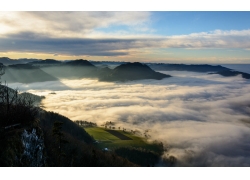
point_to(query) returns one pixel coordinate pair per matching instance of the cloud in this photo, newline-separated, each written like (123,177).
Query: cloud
(28,41)
(201,118)
(68,24)
(213,39)
(83,33)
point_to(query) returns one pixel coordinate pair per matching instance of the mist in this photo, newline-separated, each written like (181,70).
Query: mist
(203,120)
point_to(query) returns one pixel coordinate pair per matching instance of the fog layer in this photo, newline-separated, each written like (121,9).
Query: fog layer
(202,119)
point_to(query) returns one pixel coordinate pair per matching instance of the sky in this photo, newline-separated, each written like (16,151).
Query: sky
(215,37)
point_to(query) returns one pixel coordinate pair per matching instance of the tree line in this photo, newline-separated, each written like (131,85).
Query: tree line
(85,123)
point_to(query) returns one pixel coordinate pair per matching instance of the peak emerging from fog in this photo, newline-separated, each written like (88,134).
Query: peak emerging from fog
(229,73)
(191,67)
(132,71)
(133,66)
(80,62)
(46,61)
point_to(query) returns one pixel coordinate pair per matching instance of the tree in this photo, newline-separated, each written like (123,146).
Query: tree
(15,108)
(57,131)
(1,71)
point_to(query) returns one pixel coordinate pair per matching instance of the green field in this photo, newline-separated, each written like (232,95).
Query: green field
(107,140)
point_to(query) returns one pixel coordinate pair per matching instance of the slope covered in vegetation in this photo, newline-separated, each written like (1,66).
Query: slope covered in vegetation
(30,136)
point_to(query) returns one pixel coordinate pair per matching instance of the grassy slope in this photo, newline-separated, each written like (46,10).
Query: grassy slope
(107,140)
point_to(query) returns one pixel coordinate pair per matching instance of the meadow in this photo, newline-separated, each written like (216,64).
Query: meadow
(105,139)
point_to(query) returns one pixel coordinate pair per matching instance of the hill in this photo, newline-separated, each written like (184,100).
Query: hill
(45,62)
(72,69)
(8,61)
(79,62)
(184,67)
(78,150)
(26,73)
(230,73)
(131,71)
(128,145)
(84,69)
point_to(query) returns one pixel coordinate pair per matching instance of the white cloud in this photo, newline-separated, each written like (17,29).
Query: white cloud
(214,39)
(62,26)
(67,24)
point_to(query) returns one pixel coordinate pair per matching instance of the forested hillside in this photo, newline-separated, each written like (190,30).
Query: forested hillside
(30,136)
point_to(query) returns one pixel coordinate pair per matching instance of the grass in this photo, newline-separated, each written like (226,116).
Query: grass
(107,140)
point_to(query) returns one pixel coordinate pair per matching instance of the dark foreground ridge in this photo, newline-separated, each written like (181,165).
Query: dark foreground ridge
(31,137)
(132,71)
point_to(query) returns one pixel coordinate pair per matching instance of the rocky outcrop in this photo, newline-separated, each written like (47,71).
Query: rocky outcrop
(22,147)
(33,144)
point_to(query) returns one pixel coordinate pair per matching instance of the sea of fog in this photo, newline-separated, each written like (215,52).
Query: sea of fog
(202,119)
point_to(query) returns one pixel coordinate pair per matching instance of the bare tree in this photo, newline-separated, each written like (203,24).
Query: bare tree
(1,70)
(15,108)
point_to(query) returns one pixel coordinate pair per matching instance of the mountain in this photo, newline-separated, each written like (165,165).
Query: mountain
(84,69)
(72,69)
(109,64)
(79,62)
(131,71)
(25,73)
(5,60)
(45,62)
(8,61)
(184,67)
(230,73)
(50,70)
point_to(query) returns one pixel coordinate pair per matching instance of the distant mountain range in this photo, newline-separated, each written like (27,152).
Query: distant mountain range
(83,68)
(72,69)
(45,62)
(50,70)
(229,73)
(184,67)
(8,61)
(29,73)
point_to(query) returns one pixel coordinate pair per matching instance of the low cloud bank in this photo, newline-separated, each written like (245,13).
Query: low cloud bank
(202,119)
